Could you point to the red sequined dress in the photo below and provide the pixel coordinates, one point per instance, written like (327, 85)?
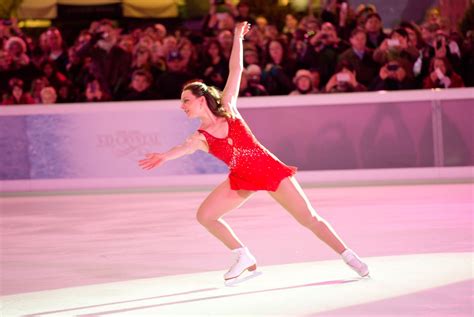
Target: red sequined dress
(251, 165)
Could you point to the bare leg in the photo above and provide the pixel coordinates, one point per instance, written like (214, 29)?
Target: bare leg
(290, 195)
(220, 201)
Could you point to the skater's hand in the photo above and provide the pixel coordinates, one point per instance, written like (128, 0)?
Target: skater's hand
(152, 160)
(242, 28)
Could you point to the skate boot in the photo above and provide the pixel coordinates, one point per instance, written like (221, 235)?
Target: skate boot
(355, 262)
(245, 261)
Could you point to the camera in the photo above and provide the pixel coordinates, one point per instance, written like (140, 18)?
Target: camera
(342, 77)
(393, 42)
(439, 74)
(392, 67)
(439, 44)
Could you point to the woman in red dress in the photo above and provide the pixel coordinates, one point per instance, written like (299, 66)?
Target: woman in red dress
(224, 134)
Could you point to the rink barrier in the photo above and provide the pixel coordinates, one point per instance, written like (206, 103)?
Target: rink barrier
(332, 138)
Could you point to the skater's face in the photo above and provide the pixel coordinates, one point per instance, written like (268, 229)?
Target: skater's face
(191, 104)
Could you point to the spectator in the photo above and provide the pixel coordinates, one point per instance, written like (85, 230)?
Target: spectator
(225, 21)
(16, 47)
(251, 56)
(428, 32)
(21, 65)
(421, 65)
(16, 95)
(433, 15)
(215, 22)
(243, 12)
(279, 69)
(347, 20)
(316, 77)
(94, 91)
(142, 59)
(309, 24)
(57, 50)
(215, 67)
(127, 43)
(392, 76)
(291, 25)
(5, 70)
(36, 86)
(189, 54)
(362, 12)
(170, 43)
(145, 40)
(344, 80)
(331, 11)
(110, 63)
(256, 34)
(225, 39)
(442, 75)
(48, 95)
(468, 59)
(54, 77)
(66, 94)
(445, 47)
(303, 82)
(271, 33)
(397, 47)
(360, 57)
(169, 83)
(160, 31)
(299, 46)
(373, 27)
(255, 39)
(250, 84)
(323, 51)
(140, 86)
(78, 71)
(261, 23)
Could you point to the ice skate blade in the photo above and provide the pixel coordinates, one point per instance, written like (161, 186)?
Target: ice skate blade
(238, 280)
(250, 269)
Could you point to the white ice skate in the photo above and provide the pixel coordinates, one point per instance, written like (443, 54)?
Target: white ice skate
(245, 261)
(355, 262)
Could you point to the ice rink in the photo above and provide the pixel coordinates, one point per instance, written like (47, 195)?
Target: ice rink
(142, 253)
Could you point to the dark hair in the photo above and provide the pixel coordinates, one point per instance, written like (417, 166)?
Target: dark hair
(212, 95)
(143, 72)
(447, 65)
(357, 30)
(345, 64)
(373, 15)
(285, 56)
(412, 26)
(206, 47)
(400, 31)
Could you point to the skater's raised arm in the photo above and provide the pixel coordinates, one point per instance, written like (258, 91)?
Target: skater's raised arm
(191, 145)
(236, 66)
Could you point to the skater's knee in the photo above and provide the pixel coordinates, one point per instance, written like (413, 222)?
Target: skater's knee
(204, 218)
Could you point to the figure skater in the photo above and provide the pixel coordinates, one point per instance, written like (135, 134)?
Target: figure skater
(224, 133)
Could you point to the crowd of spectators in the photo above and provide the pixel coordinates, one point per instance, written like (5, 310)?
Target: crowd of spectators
(344, 49)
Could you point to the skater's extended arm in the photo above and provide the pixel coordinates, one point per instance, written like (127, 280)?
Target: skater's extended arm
(191, 145)
(236, 66)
